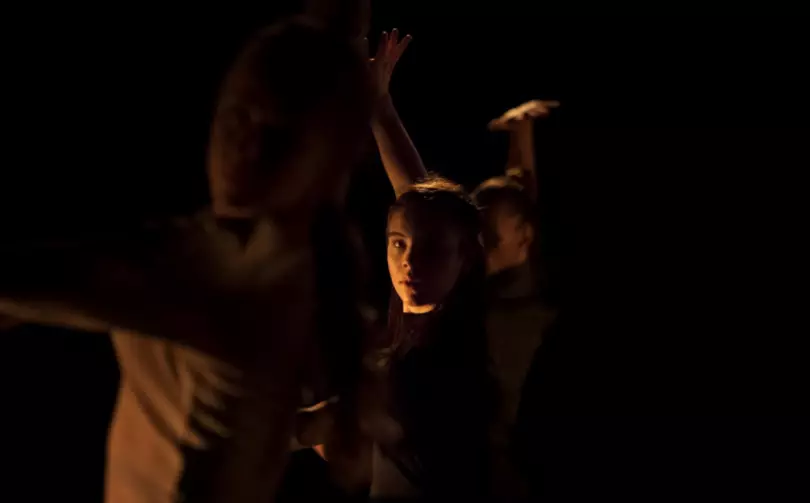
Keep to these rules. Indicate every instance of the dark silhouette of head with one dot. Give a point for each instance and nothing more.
(290, 121)
(507, 212)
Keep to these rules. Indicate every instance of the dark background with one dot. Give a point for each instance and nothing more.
(660, 215)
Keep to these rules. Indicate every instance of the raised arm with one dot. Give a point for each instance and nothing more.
(519, 122)
(400, 158)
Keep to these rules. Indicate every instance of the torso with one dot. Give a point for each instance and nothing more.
(212, 423)
(516, 321)
(429, 390)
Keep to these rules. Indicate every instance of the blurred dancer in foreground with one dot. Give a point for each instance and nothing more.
(518, 314)
(436, 399)
(215, 319)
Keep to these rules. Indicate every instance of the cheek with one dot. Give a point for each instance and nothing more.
(395, 276)
(507, 237)
(392, 266)
(508, 233)
(448, 274)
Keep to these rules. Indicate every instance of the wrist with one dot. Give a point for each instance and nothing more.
(523, 125)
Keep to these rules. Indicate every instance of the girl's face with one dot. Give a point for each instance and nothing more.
(514, 235)
(425, 257)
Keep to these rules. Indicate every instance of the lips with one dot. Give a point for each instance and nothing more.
(411, 283)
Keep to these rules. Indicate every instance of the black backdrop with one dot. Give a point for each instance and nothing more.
(656, 176)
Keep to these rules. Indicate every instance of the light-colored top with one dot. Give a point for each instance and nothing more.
(210, 336)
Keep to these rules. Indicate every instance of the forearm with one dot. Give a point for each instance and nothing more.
(38, 280)
(401, 160)
(522, 156)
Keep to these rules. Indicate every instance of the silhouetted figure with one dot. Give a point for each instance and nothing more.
(518, 312)
(215, 318)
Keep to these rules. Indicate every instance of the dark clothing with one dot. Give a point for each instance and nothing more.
(439, 397)
(308, 479)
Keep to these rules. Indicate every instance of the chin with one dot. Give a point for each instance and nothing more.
(422, 301)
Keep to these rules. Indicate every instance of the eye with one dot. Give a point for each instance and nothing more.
(398, 244)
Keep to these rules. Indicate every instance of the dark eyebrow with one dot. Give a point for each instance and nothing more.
(396, 234)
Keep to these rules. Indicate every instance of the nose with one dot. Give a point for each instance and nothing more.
(406, 262)
(414, 261)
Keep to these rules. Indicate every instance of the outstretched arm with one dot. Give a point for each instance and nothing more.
(519, 122)
(401, 160)
(98, 283)
(50, 281)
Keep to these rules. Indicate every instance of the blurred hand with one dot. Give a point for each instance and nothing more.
(523, 114)
(389, 50)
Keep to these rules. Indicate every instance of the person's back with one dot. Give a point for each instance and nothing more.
(517, 312)
(517, 318)
(215, 319)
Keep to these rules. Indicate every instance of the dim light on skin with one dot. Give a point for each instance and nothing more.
(424, 258)
(320, 405)
(320, 450)
(531, 110)
(7, 323)
(411, 309)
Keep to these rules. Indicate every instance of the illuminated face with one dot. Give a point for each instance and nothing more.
(425, 258)
(514, 239)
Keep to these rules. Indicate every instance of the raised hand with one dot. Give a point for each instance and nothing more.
(389, 50)
(522, 114)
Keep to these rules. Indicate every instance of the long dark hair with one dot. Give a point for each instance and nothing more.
(463, 309)
(443, 394)
(456, 329)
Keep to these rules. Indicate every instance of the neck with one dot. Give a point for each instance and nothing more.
(225, 211)
(411, 309)
(496, 264)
